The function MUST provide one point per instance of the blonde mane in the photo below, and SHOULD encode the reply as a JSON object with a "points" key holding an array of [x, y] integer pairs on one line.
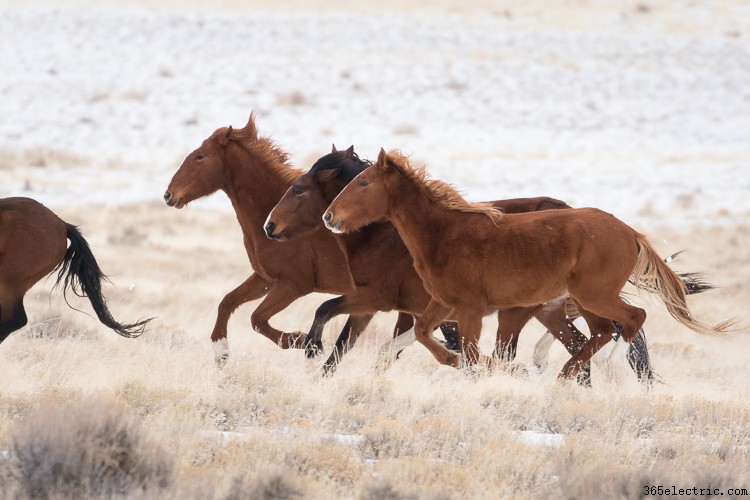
{"points": [[439, 191]]}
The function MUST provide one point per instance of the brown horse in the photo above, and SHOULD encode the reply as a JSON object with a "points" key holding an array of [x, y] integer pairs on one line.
{"points": [[473, 259], [382, 268], [33, 244], [255, 173]]}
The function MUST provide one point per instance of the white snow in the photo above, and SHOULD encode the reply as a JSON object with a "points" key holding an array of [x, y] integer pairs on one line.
{"points": [[99, 106]]}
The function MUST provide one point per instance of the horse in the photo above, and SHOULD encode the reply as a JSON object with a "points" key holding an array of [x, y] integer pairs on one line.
{"points": [[254, 173], [519, 261], [33, 244], [379, 262]]}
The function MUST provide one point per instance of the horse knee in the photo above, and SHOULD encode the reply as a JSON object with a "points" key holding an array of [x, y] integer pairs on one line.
{"points": [[632, 326], [258, 320]]}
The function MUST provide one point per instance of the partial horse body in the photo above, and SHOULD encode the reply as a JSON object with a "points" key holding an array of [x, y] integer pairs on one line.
{"points": [[473, 259], [254, 173], [32, 245]]}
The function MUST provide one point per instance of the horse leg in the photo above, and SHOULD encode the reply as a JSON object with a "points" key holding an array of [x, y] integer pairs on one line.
{"points": [[355, 325], [540, 357], [362, 300], [452, 335], [12, 317], [601, 333], [470, 323], [253, 288], [639, 359], [509, 325], [404, 323], [403, 337], [426, 324], [278, 298], [560, 326]]}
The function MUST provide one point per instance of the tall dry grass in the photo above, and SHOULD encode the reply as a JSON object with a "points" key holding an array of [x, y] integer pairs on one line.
{"points": [[85, 413]]}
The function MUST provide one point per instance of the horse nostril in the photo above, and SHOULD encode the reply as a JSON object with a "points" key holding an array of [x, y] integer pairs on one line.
{"points": [[269, 229], [327, 217], [167, 196]]}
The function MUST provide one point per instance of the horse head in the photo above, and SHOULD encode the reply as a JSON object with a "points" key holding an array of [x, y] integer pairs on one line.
{"points": [[299, 211], [363, 201], [203, 171]]}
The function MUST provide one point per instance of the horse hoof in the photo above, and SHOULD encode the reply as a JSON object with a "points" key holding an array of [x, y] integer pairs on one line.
{"points": [[221, 352], [328, 370], [313, 348]]}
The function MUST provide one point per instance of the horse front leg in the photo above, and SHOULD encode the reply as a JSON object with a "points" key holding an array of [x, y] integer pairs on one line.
{"points": [[355, 325], [252, 288], [426, 324], [278, 298]]}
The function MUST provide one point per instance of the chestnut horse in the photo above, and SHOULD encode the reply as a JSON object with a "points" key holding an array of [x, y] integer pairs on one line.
{"points": [[33, 244], [381, 265], [255, 173], [474, 259]]}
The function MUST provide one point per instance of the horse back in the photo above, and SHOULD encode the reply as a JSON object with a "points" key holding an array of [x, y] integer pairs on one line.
{"points": [[523, 205]]}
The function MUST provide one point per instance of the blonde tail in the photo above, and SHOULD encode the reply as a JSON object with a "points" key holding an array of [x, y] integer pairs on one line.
{"points": [[652, 274]]}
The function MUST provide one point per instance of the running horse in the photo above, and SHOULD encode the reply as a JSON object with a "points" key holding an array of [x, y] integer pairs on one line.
{"points": [[254, 173], [474, 259], [33, 244]]}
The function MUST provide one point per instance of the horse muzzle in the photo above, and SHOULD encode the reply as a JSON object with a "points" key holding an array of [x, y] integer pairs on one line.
{"points": [[172, 201], [269, 228], [328, 220]]}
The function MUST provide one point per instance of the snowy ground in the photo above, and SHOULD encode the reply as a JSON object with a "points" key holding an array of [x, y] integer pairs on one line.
{"points": [[99, 104]]}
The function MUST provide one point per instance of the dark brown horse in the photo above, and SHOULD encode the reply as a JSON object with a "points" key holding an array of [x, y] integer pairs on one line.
{"points": [[33, 244], [255, 173], [384, 271], [473, 259]]}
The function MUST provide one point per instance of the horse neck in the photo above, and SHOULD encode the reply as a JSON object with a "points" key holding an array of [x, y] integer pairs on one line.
{"points": [[419, 221], [254, 186]]}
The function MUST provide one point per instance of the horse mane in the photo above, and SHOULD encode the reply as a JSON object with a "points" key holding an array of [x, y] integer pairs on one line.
{"points": [[349, 162], [439, 191], [262, 148]]}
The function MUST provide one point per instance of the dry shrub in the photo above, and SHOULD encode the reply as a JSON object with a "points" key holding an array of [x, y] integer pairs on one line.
{"points": [[84, 448], [265, 486]]}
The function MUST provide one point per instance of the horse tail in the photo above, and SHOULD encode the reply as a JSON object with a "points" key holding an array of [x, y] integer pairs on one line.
{"points": [[80, 272], [694, 282], [651, 273]]}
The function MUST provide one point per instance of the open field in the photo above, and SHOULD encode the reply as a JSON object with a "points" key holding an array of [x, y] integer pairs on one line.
{"points": [[639, 108]]}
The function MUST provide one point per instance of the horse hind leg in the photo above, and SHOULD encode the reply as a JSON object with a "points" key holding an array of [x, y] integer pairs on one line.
{"points": [[631, 319], [639, 359], [12, 317], [560, 326]]}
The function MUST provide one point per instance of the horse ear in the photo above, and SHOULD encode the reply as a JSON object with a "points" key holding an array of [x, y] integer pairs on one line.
{"points": [[333, 149], [250, 128], [327, 174], [224, 139], [382, 158], [350, 151]]}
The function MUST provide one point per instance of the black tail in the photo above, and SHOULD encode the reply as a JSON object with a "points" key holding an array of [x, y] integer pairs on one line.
{"points": [[694, 282], [79, 272]]}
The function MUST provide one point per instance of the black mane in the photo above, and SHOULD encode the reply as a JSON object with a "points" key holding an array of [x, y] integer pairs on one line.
{"points": [[348, 161]]}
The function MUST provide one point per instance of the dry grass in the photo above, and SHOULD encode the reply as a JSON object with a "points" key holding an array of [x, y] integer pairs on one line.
{"points": [[268, 426]]}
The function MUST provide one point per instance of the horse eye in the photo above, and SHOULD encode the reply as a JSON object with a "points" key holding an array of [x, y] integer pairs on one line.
{"points": [[363, 183], [297, 191], [199, 157]]}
